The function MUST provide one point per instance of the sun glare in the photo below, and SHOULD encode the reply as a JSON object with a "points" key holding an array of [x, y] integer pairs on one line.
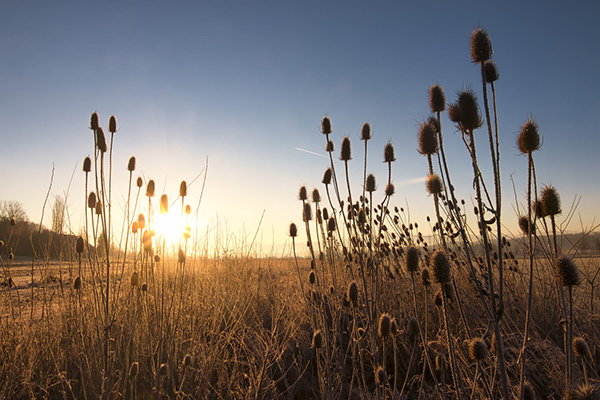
{"points": [[172, 227]]}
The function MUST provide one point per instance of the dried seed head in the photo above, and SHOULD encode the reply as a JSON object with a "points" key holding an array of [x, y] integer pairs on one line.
{"points": [[353, 293], [134, 279], [147, 241], [141, 221], [362, 216], [327, 177], [371, 186], [140, 182], [164, 204], [478, 350], [131, 164], [428, 141], [307, 213], [525, 225], [87, 164], [490, 71], [92, 200], [293, 230], [455, 113], [79, 246], [388, 153], [469, 110], [481, 46], [162, 371], [329, 147], [346, 153], [440, 266], [434, 184], [325, 214], [550, 201], [77, 283], [183, 189], [437, 98], [150, 188], [412, 259], [11, 256], [134, 227], [384, 326], [538, 207], [144, 287], [187, 360], [528, 140], [181, 256], [100, 140], [583, 392], [581, 348], [326, 126], [157, 258], [187, 232], [331, 224], [528, 392], [188, 209], [317, 340], [434, 122], [94, 121], [365, 133], [413, 329], [381, 376], [312, 278], [112, 124], [425, 278], [302, 193], [566, 272], [390, 189], [316, 196], [98, 207]]}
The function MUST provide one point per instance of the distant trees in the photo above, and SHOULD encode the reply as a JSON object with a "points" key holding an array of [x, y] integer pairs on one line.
{"points": [[12, 209]]}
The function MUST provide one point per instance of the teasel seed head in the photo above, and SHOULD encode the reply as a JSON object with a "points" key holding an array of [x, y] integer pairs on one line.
{"points": [[187, 232], [77, 283], [384, 326], [140, 182], [361, 217], [353, 293], [370, 186], [381, 376], [87, 164], [92, 200], [330, 146], [481, 46], [390, 189], [307, 213], [581, 348], [112, 124], [434, 184], [425, 278], [346, 153], [144, 287], [528, 140], [317, 340], [188, 209], [566, 272], [525, 225], [13, 222], [11, 256], [101, 140], [490, 71], [433, 121], [437, 98], [302, 193], [528, 392], [469, 110], [134, 369], [365, 133], [326, 177], [183, 189], [550, 201], [98, 207], [326, 126], [412, 259], [131, 164], [187, 360], [331, 224], [141, 221], [94, 121], [312, 277], [316, 196], [150, 188], [413, 329], [164, 204], [538, 207], [134, 280], [455, 113], [388, 153], [441, 267], [134, 227], [180, 256], [147, 241], [157, 258], [478, 350], [293, 231], [79, 247], [428, 141], [164, 368]]}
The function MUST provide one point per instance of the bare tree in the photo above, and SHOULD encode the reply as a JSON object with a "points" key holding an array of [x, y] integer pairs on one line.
{"points": [[58, 215], [10, 209]]}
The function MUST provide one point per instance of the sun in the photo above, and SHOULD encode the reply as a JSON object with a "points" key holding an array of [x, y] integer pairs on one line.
{"points": [[173, 228]]}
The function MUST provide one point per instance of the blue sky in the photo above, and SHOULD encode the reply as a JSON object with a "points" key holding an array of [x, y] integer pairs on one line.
{"points": [[246, 83]]}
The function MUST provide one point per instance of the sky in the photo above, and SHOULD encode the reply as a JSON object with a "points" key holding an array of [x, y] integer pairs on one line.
{"points": [[245, 85]]}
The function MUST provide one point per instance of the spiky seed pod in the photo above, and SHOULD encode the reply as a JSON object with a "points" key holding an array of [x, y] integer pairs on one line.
{"points": [[365, 132], [183, 189], [326, 177], [388, 153], [353, 293], [490, 71], [434, 184], [141, 221], [481, 46], [140, 182], [312, 278], [583, 392], [538, 207], [413, 329], [94, 121], [134, 280], [87, 164], [550, 201], [134, 227], [331, 224], [187, 232], [362, 217], [437, 98], [528, 392], [394, 327], [101, 140], [469, 109], [98, 207], [325, 214], [478, 349], [384, 326], [307, 213], [112, 124], [162, 371], [525, 225], [92, 200], [293, 232], [412, 259], [330, 147], [440, 266], [433, 121], [157, 258], [144, 287], [455, 113], [316, 196], [187, 360], [381, 376], [581, 348], [147, 241], [317, 340], [79, 246], [77, 283], [528, 139], [371, 186], [326, 126], [164, 204], [180, 256], [134, 369], [13, 222], [425, 278], [302, 193], [11, 256], [390, 189], [566, 272], [346, 153], [428, 142], [188, 209], [131, 164], [150, 188]]}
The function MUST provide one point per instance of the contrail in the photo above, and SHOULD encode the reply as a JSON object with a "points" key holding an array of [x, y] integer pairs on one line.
{"points": [[412, 181], [310, 152]]}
